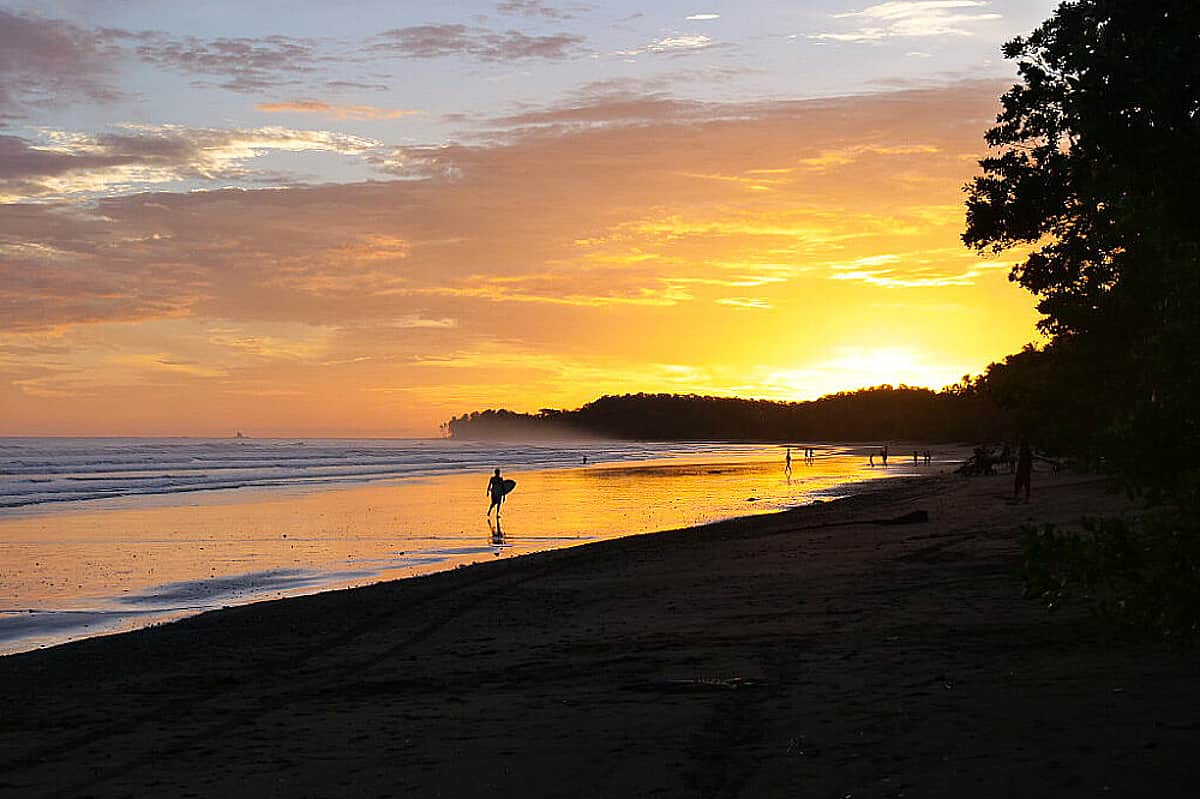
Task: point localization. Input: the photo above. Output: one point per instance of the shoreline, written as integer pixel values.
(110, 569)
(809, 650)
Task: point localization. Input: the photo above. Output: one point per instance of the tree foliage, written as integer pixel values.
(1096, 153)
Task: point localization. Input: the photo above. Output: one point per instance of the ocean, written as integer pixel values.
(105, 535)
(36, 471)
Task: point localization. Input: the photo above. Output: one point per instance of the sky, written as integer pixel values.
(302, 218)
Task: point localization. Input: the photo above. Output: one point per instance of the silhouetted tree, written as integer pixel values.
(1097, 149)
(871, 414)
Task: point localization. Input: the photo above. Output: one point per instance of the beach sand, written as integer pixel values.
(808, 653)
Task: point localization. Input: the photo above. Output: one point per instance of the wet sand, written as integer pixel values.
(73, 570)
(808, 653)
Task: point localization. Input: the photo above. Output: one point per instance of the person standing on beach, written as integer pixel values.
(496, 489)
(1024, 470)
(787, 463)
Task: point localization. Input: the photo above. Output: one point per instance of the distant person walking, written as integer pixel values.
(495, 488)
(787, 463)
(1024, 470)
(883, 455)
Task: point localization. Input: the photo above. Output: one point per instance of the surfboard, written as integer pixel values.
(507, 485)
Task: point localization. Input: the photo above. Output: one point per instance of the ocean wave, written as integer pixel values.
(54, 470)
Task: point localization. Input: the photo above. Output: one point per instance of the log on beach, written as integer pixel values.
(808, 653)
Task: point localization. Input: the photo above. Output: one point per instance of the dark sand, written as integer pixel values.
(788, 655)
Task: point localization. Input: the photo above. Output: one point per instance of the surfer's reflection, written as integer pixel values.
(497, 535)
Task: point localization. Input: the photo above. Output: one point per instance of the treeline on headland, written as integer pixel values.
(882, 413)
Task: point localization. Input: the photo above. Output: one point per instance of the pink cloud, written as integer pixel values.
(333, 111)
(51, 62)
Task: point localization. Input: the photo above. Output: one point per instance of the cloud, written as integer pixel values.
(410, 321)
(421, 161)
(333, 111)
(135, 157)
(702, 17)
(632, 100)
(259, 64)
(613, 212)
(658, 83)
(844, 156)
(436, 41)
(911, 19)
(50, 62)
(532, 8)
(678, 44)
(590, 246)
(339, 85)
(688, 41)
(950, 267)
(750, 303)
(612, 109)
(242, 64)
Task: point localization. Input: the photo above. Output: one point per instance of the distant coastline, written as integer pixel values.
(883, 413)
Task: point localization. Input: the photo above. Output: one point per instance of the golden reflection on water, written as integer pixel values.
(227, 547)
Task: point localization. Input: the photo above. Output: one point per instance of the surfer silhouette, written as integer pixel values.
(498, 489)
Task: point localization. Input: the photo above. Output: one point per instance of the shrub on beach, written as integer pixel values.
(1140, 574)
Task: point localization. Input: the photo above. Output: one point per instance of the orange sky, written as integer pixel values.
(778, 249)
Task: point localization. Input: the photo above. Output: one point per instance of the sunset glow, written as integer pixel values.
(291, 222)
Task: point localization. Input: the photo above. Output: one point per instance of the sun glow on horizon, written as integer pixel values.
(867, 367)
